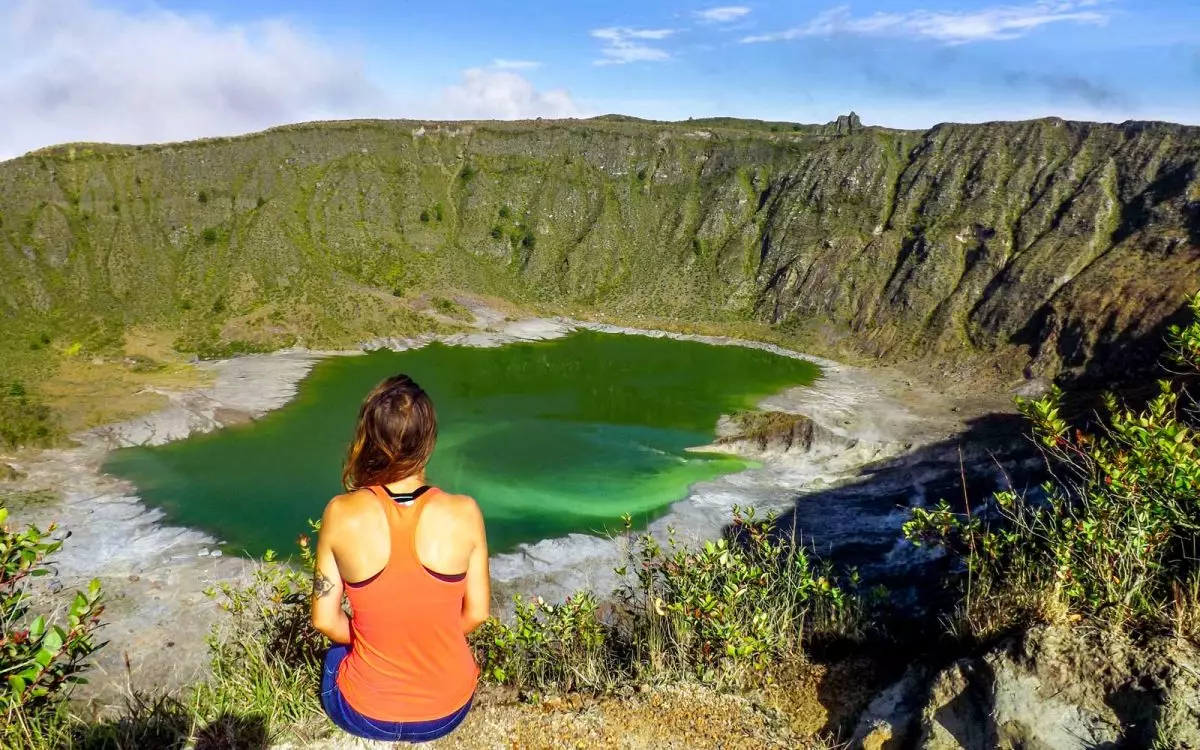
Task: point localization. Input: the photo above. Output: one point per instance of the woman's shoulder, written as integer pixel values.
(350, 507)
(462, 508)
(451, 501)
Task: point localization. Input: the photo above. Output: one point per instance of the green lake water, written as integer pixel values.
(550, 437)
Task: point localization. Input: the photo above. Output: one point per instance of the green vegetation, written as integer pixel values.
(39, 658)
(25, 420)
(1002, 243)
(731, 612)
(451, 309)
(1112, 538)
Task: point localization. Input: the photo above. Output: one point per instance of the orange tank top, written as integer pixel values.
(409, 659)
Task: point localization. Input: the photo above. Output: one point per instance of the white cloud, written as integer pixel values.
(724, 14)
(996, 23)
(491, 94)
(502, 64)
(624, 45)
(71, 70)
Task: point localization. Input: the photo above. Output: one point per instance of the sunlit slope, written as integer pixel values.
(1064, 240)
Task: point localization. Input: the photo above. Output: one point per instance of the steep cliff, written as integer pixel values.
(1044, 246)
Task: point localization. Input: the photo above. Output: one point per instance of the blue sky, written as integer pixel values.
(133, 70)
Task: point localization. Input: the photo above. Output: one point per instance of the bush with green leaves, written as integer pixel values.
(40, 659)
(728, 607)
(721, 612)
(548, 646)
(1114, 536)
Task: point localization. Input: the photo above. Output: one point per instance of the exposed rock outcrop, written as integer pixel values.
(1054, 688)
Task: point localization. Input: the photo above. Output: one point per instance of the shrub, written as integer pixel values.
(1113, 536)
(528, 241)
(549, 646)
(202, 197)
(103, 336)
(25, 420)
(40, 660)
(424, 217)
(451, 308)
(724, 612)
(505, 212)
(496, 233)
(209, 235)
(725, 607)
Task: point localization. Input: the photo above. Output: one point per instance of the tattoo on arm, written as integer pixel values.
(321, 585)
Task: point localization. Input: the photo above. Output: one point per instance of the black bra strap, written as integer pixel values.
(406, 497)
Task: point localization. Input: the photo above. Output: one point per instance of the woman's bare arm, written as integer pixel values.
(477, 600)
(328, 617)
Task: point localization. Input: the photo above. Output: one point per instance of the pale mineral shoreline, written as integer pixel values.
(155, 573)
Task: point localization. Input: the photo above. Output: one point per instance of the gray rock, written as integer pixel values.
(1058, 689)
(956, 716)
(888, 721)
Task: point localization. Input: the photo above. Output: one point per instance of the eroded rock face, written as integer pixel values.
(1052, 689)
(779, 432)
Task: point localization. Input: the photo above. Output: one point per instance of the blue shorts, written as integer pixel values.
(349, 720)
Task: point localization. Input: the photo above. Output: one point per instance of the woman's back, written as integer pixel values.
(404, 563)
(413, 563)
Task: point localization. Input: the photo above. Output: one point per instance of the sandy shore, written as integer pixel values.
(155, 574)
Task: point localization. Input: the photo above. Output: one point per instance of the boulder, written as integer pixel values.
(889, 719)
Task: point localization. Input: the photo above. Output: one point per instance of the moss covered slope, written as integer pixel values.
(1070, 242)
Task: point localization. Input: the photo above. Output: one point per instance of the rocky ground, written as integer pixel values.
(801, 713)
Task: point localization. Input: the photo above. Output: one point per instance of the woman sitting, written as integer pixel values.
(413, 562)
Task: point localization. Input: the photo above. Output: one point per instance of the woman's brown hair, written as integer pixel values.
(396, 431)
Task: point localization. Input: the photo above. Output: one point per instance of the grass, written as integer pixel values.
(87, 393)
(450, 309)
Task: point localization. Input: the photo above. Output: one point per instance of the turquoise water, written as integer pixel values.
(550, 437)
